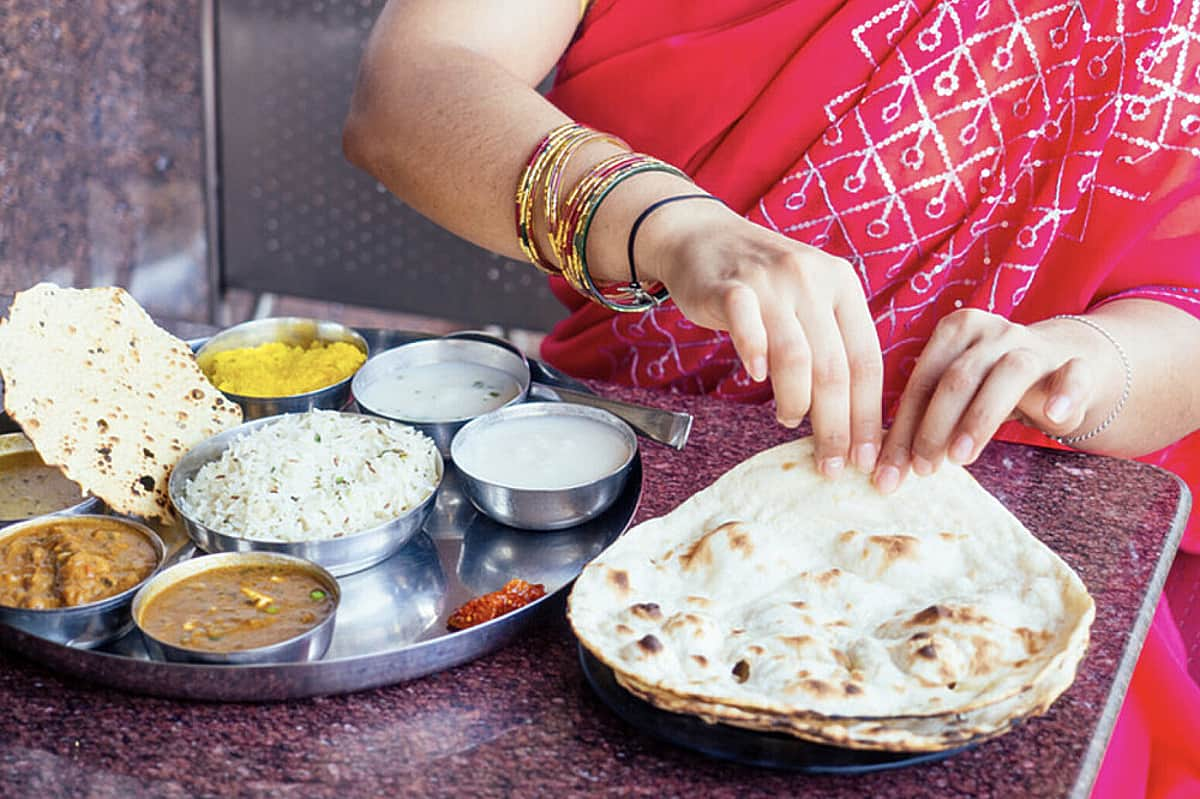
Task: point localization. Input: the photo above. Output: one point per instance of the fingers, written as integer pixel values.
(747, 331)
(798, 316)
(830, 390)
(961, 396)
(865, 363)
(1012, 376)
(946, 345)
(790, 363)
(845, 369)
(976, 373)
(1058, 404)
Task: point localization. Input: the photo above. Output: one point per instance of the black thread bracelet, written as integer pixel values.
(635, 285)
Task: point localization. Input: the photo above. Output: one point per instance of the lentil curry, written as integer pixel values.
(28, 487)
(72, 560)
(235, 608)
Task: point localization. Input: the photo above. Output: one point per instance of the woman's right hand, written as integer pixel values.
(794, 313)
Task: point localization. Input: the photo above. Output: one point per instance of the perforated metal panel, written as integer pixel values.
(295, 218)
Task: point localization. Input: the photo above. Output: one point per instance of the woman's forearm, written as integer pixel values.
(1162, 344)
(445, 115)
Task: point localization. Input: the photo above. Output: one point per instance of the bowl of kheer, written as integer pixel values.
(438, 385)
(71, 579)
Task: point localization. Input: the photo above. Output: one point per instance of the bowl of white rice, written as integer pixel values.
(343, 490)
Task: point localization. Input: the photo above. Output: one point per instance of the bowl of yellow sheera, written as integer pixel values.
(284, 365)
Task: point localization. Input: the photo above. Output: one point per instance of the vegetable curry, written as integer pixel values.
(235, 608)
(69, 561)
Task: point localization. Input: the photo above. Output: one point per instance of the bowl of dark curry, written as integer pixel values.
(70, 579)
(238, 607)
(29, 487)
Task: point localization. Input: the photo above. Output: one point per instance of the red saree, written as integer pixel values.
(1027, 158)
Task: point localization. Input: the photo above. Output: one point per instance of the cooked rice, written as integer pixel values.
(312, 476)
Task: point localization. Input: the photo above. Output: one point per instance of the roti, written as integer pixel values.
(105, 394)
(777, 600)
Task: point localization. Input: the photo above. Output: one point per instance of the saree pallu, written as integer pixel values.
(1025, 158)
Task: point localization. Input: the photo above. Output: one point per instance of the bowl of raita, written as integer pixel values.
(544, 465)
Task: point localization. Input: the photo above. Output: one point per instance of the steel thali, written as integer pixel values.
(391, 625)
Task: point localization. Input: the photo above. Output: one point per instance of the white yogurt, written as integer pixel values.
(543, 452)
(441, 392)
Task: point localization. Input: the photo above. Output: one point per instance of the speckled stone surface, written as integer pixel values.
(101, 177)
(522, 721)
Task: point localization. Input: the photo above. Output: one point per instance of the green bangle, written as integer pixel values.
(643, 300)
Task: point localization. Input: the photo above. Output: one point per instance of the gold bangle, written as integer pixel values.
(563, 234)
(552, 185)
(549, 159)
(526, 194)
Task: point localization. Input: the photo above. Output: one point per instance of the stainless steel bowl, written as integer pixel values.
(18, 443)
(309, 645)
(386, 365)
(292, 330)
(340, 556)
(542, 509)
(82, 626)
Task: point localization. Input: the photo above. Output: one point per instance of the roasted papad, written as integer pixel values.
(106, 394)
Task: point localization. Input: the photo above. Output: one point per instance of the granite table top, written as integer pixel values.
(523, 721)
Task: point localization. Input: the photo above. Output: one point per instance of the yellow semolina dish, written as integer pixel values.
(276, 369)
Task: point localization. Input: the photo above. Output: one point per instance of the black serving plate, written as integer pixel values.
(748, 747)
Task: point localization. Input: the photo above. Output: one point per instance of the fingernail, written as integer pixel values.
(1058, 408)
(758, 369)
(864, 457)
(832, 467)
(922, 466)
(789, 422)
(960, 451)
(887, 479)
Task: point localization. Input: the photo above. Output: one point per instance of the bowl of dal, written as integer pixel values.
(544, 465)
(343, 490)
(29, 487)
(284, 365)
(70, 579)
(238, 607)
(438, 385)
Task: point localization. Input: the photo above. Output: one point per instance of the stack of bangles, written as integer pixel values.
(568, 222)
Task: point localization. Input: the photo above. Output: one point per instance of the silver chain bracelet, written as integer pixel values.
(1120, 406)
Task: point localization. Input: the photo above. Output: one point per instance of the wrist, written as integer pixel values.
(608, 258)
(1089, 341)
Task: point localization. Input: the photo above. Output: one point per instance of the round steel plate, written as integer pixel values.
(391, 623)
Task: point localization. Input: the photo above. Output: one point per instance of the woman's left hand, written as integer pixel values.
(978, 371)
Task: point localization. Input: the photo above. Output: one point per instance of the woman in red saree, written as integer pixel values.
(1022, 159)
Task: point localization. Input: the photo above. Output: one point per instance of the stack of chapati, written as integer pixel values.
(779, 601)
